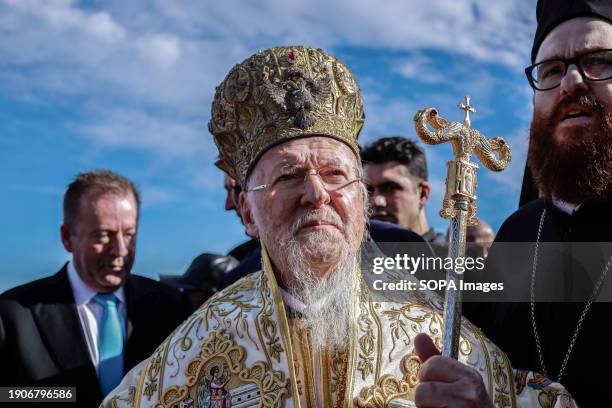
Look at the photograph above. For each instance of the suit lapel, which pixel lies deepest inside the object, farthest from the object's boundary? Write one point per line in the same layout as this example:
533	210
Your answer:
60	327
130	298
134	319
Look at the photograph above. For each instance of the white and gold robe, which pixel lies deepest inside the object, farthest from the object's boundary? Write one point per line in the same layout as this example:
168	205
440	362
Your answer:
243	348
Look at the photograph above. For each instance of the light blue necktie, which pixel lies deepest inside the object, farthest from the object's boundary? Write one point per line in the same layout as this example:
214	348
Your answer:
110	343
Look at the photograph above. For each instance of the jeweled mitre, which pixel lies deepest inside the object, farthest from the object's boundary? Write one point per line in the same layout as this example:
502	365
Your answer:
280	94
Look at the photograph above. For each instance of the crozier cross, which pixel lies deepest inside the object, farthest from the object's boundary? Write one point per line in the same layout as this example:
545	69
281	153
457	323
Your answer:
465	106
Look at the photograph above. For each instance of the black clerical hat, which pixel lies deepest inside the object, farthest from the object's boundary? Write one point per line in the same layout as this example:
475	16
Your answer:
551	13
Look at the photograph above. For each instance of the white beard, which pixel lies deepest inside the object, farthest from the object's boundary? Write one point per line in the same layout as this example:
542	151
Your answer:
328	313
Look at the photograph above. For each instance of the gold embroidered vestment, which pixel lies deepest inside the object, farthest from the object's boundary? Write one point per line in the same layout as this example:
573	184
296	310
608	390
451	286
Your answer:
242	348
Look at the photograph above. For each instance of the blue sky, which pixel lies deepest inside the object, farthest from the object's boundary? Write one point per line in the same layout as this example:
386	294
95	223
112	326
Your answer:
128	86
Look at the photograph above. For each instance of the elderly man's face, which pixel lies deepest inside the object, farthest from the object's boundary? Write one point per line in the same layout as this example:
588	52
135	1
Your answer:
326	224
570	132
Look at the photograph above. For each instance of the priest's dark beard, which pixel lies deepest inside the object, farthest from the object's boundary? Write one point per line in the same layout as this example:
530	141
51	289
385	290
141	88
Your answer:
578	167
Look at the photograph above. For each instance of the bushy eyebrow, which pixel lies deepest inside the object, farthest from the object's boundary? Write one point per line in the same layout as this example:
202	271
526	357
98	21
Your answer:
292	166
576	53
387	184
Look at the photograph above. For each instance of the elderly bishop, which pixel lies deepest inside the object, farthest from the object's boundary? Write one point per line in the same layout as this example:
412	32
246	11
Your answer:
309	330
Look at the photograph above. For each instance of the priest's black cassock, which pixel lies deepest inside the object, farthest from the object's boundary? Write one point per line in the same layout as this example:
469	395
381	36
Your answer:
509	325
562	272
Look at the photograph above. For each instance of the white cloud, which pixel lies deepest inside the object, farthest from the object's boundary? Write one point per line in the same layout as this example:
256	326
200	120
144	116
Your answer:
419	68
65	15
161	49
102	26
169	137
497	32
176	52
387	116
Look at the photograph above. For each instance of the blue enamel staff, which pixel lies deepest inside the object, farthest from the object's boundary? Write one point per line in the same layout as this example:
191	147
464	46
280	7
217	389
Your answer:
459	205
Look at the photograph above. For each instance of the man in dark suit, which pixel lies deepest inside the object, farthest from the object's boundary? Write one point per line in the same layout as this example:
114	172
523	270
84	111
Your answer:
91	322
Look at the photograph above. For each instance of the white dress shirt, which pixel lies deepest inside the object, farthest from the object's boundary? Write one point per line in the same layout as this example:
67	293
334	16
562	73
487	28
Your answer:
90	313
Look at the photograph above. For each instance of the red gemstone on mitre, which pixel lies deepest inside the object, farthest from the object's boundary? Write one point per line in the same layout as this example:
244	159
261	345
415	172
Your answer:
502	142
290	56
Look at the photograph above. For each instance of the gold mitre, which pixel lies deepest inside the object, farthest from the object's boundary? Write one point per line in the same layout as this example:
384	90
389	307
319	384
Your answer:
280	94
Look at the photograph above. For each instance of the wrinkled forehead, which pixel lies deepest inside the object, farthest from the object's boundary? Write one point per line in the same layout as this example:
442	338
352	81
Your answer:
305	153
104	209
91	200
576	36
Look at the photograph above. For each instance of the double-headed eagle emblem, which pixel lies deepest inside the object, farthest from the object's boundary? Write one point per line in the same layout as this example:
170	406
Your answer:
297	95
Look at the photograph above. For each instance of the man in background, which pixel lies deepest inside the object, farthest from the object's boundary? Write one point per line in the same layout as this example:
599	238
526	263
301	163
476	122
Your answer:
396	175
92	321
480	235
